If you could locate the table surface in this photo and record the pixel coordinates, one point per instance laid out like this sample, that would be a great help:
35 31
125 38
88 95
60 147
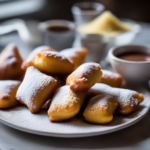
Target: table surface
136 137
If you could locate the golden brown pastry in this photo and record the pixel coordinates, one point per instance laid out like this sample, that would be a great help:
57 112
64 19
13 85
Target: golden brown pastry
65 104
35 89
112 79
8 89
127 100
10 63
75 55
100 109
53 63
84 77
28 61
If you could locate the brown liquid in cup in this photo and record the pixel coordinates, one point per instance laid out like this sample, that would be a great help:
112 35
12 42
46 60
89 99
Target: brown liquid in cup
87 8
58 28
135 56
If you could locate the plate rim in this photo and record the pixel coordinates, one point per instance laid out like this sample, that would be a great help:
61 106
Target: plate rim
75 135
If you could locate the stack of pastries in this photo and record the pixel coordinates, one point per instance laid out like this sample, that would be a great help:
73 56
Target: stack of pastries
63 84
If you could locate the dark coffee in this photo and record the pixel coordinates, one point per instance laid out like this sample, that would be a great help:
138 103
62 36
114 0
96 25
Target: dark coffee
134 56
58 28
87 8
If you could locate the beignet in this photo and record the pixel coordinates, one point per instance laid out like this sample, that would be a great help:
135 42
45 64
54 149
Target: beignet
127 100
8 89
35 89
110 78
28 61
52 62
84 77
65 104
10 63
100 109
75 55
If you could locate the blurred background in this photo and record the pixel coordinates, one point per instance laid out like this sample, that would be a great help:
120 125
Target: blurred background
137 10
25 15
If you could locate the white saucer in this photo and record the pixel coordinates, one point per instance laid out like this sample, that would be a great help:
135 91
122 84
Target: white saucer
20 118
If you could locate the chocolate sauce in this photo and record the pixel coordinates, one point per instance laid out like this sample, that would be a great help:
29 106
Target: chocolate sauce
135 56
58 28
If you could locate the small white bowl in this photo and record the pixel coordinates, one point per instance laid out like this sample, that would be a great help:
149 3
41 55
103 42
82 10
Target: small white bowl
58 40
131 71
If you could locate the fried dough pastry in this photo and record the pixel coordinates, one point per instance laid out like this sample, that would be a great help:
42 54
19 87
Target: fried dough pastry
100 109
10 63
112 79
52 62
65 104
35 89
84 77
75 55
28 61
8 89
127 100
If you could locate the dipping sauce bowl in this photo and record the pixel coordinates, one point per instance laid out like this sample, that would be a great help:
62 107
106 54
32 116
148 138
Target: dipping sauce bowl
58 34
132 71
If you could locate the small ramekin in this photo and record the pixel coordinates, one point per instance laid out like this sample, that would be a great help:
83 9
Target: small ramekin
131 71
58 40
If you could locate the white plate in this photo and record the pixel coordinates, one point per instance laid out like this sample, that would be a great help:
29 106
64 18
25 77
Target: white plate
20 118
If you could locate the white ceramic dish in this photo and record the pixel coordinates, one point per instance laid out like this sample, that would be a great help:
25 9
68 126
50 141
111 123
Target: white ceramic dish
58 40
21 119
132 71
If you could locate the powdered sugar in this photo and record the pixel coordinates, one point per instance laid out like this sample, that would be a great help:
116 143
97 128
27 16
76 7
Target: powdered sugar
86 69
10 61
100 101
70 52
6 87
83 79
110 74
73 52
32 86
107 72
54 55
124 97
33 54
64 98
75 55
9 54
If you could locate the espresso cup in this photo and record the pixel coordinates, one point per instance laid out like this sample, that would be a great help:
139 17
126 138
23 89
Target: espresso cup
58 34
